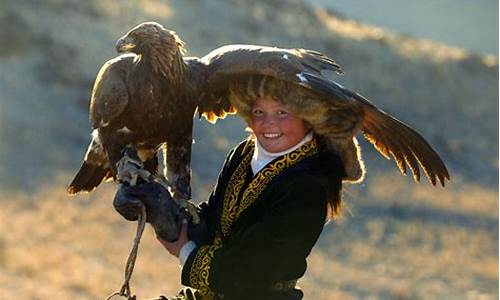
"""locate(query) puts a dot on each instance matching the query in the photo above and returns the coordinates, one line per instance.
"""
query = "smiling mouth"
(272, 135)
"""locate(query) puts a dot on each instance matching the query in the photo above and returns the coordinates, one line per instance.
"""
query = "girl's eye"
(282, 113)
(257, 112)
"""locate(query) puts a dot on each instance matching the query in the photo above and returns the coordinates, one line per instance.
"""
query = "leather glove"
(162, 212)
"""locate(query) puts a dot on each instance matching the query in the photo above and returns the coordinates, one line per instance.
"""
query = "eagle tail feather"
(88, 178)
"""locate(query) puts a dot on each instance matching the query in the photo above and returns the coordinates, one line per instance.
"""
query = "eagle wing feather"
(110, 94)
(392, 137)
(229, 62)
(284, 64)
(347, 112)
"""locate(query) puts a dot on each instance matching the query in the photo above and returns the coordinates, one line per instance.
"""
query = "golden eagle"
(141, 100)
(147, 97)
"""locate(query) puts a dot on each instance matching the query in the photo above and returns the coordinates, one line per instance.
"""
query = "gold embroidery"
(217, 241)
(231, 209)
(206, 294)
(230, 206)
(262, 179)
(200, 270)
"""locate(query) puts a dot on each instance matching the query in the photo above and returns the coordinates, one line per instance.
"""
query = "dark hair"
(333, 170)
(334, 202)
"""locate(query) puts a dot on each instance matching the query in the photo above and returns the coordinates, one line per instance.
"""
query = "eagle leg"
(177, 155)
(130, 168)
(190, 208)
(182, 195)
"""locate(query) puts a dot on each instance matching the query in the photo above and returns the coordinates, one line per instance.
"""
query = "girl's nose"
(269, 120)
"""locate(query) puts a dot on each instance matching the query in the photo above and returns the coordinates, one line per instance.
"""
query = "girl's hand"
(175, 247)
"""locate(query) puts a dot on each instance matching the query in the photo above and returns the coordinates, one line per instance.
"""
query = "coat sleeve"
(272, 249)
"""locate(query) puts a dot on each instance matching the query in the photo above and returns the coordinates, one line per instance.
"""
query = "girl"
(273, 196)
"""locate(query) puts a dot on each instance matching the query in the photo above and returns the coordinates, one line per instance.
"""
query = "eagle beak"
(124, 44)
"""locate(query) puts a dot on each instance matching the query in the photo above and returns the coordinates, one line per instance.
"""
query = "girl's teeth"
(272, 135)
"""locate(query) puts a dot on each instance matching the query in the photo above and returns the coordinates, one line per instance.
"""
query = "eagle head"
(161, 47)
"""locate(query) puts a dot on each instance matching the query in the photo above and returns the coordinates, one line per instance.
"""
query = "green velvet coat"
(260, 229)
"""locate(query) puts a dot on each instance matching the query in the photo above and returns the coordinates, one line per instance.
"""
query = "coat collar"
(237, 201)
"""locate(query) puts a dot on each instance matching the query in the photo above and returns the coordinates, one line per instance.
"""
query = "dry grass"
(408, 241)
(55, 247)
(459, 196)
(406, 260)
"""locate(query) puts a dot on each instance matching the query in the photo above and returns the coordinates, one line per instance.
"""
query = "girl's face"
(275, 126)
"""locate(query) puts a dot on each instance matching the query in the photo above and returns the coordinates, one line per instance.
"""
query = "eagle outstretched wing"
(225, 64)
(284, 64)
(334, 111)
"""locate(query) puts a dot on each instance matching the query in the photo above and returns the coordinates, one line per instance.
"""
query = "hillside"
(397, 240)
(429, 86)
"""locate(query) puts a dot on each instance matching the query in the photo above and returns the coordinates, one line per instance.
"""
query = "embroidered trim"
(206, 294)
(231, 209)
(217, 240)
(200, 270)
(262, 179)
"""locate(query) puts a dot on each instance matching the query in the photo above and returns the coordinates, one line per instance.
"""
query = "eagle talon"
(130, 170)
(189, 207)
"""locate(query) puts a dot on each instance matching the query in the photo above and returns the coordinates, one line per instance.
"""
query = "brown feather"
(233, 62)
(406, 146)
(140, 100)
(293, 76)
